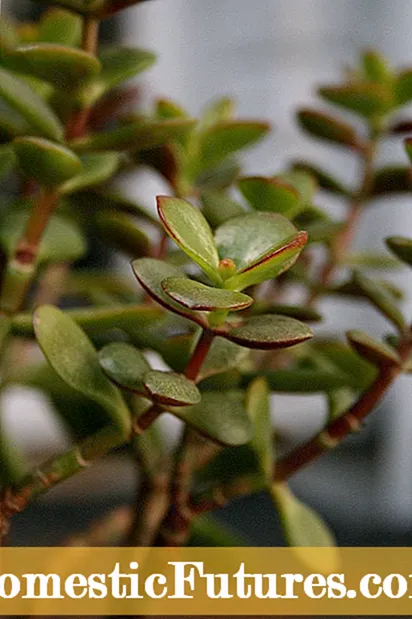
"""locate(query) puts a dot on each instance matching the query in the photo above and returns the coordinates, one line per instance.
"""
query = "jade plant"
(210, 286)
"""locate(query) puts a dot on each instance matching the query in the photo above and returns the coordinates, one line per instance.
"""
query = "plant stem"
(176, 525)
(343, 240)
(54, 471)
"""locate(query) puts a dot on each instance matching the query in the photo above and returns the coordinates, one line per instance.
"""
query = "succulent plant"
(215, 272)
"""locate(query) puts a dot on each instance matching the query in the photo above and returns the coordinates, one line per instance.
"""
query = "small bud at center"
(227, 268)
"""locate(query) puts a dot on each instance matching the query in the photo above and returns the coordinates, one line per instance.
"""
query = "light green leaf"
(323, 178)
(71, 354)
(97, 168)
(258, 408)
(227, 137)
(22, 98)
(305, 314)
(403, 87)
(151, 273)
(124, 365)
(376, 352)
(197, 296)
(118, 64)
(137, 135)
(187, 226)
(60, 26)
(268, 332)
(219, 416)
(65, 67)
(222, 356)
(218, 207)
(364, 99)
(170, 389)
(50, 163)
(371, 260)
(302, 526)
(270, 194)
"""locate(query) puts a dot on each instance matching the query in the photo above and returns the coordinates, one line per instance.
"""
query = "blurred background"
(270, 56)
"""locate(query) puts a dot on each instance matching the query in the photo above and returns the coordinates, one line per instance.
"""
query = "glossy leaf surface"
(197, 296)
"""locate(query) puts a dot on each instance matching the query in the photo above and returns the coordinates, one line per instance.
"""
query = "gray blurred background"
(270, 55)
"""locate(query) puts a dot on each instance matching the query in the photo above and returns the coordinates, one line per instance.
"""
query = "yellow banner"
(205, 581)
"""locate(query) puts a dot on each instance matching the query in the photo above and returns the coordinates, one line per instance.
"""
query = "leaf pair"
(260, 245)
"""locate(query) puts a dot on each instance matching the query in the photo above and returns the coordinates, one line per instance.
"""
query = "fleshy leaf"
(22, 98)
(222, 356)
(187, 226)
(302, 526)
(305, 314)
(120, 232)
(60, 26)
(151, 273)
(328, 128)
(371, 260)
(403, 87)
(218, 207)
(124, 365)
(323, 178)
(268, 332)
(401, 246)
(65, 67)
(258, 408)
(7, 160)
(136, 135)
(197, 296)
(118, 64)
(170, 389)
(97, 168)
(376, 352)
(227, 137)
(49, 163)
(364, 99)
(219, 416)
(380, 298)
(376, 67)
(270, 194)
(300, 380)
(71, 354)
(63, 240)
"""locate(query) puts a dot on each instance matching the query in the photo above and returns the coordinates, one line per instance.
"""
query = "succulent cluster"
(214, 277)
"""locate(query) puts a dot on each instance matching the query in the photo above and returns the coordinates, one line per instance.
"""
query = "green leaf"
(337, 358)
(270, 194)
(227, 137)
(376, 352)
(262, 245)
(302, 526)
(64, 67)
(305, 314)
(258, 408)
(132, 319)
(71, 354)
(12, 469)
(323, 178)
(218, 207)
(216, 111)
(48, 162)
(207, 530)
(219, 177)
(268, 332)
(151, 449)
(12, 124)
(137, 135)
(371, 260)
(380, 298)
(365, 99)
(339, 401)
(60, 26)
(166, 108)
(328, 128)
(22, 98)
(170, 389)
(303, 182)
(63, 240)
(401, 246)
(187, 226)
(197, 296)
(391, 179)
(151, 273)
(376, 67)
(97, 168)
(222, 356)
(118, 64)
(7, 160)
(219, 416)
(403, 87)
(124, 365)
(118, 230)
(323, 231)
(300, 380)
